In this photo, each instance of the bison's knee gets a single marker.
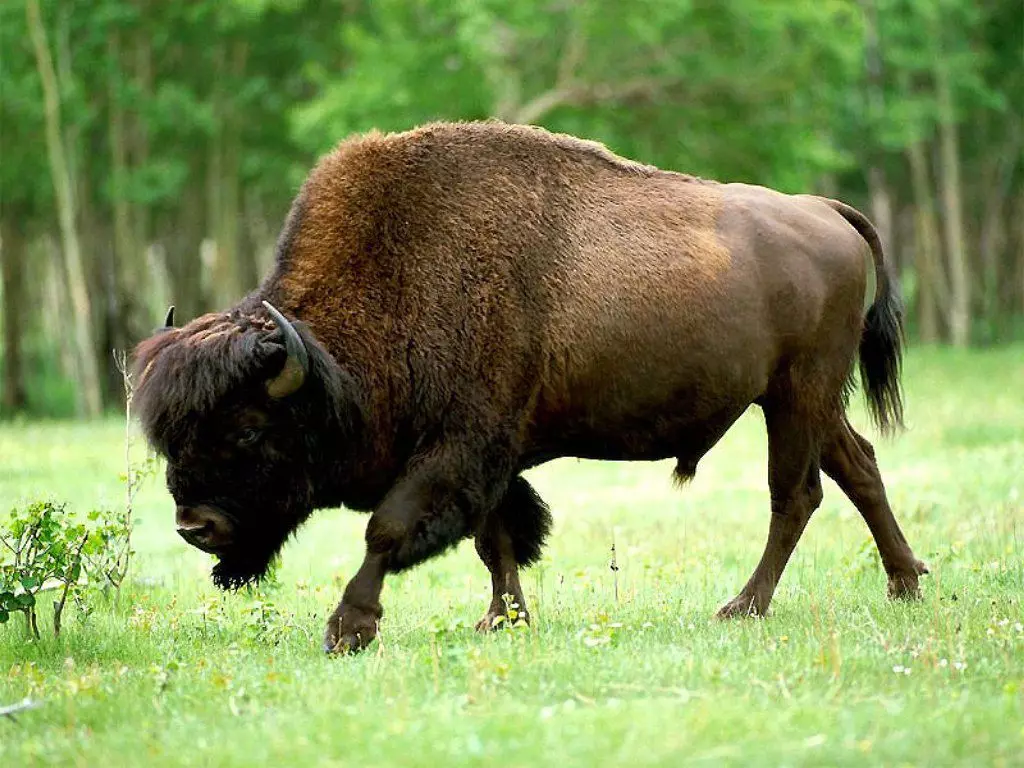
(384, 535)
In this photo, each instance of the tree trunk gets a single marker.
(127, 267)
(931, 284)
(229, 252)
(956, 254)
(134, 63)
(991, 242)
(223, 266)
(249, 262)
(140, 138)
(12, 260)
(58, 315)
(878, 184)
(88, 390)
(881, 210)
(225, 182)
(1017, 217)
(260, 233)
(183, 245)
(997, 202)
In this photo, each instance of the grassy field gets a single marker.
(621, 667)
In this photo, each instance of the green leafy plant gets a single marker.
(46, 548)
(108, 551)
(42, 550)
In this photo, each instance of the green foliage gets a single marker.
(108, 550)
(44, 548)
(190, 121)
(700, 87)
(772, 92)
(39, 545)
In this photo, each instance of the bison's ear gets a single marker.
(296, 366)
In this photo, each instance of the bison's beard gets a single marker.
(234, 573)
(248, 562)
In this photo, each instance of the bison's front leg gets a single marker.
(794, 481)
(353, 625)
(439, 502)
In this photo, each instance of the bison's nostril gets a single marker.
(204, 527)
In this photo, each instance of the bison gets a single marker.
(453, 305)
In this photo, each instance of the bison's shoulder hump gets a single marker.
(488, 140)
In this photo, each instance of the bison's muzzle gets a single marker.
(205, 527)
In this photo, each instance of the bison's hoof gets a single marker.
(493, 620)
(350, 629)
(903, 584)
(742, 606)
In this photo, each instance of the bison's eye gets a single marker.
(247, 436)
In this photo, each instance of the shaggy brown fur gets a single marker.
(480, 298)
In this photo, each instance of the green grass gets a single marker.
(172, 673)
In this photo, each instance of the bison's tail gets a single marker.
(881, 344)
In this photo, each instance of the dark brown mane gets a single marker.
(183, 373)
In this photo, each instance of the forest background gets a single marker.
(149, 150)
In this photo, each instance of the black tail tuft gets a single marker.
(881, 358)
(881, 343)
(527, 519)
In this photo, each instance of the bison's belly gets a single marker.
(642, 418)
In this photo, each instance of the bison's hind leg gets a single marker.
(849, 459)
(794, 483)
(510, 536)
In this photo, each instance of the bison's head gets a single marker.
(247, 408)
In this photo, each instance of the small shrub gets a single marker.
(42, 550)
(45, 548)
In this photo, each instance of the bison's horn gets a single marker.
(293, 374)
(168, 321)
